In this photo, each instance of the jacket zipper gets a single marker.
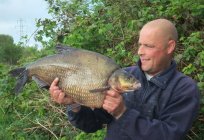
(145, 91)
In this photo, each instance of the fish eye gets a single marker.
(126, 77)
(129, 77)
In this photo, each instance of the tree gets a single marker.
(9, 52)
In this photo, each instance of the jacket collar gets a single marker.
(161, 79)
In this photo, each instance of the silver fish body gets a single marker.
(79, 72)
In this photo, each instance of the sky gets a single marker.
(18, 17)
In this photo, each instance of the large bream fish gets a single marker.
(83, 75)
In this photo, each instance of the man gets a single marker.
(162, 109)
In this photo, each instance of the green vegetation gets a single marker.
(107, 26)
(10, 53)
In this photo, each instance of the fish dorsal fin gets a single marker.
(64, 49)
(100, 89)
(40, 83)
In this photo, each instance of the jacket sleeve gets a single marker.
(174, 120)
(89, 120)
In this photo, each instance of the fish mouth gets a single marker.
(137, 85)
(129, 90)
(134, 87)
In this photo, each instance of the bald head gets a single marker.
(163, 27)
(157, 42)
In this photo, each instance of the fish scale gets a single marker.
(83, 95)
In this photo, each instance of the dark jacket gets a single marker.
(162, 109)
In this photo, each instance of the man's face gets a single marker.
(153, 51)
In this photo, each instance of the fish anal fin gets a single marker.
(100, 89)
(40, 83)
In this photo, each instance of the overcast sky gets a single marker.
(12, 11)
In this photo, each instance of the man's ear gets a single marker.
(171, 46)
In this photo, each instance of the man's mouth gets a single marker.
(144, 60)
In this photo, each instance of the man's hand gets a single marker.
(58, 95)
(114, 104)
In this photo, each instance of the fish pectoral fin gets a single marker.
(40, 83)
(99, 89)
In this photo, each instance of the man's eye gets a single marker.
(149, 46)
(146, 45)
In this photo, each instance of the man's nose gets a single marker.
(140, 50)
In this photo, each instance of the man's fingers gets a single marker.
(61, 97)
(54, 83)
(55, 94)
(112, 101)
(55, 88)
(113, 96)
(109, 106)
(112, 93)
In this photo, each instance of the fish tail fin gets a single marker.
(16, 72)
(22, 75)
